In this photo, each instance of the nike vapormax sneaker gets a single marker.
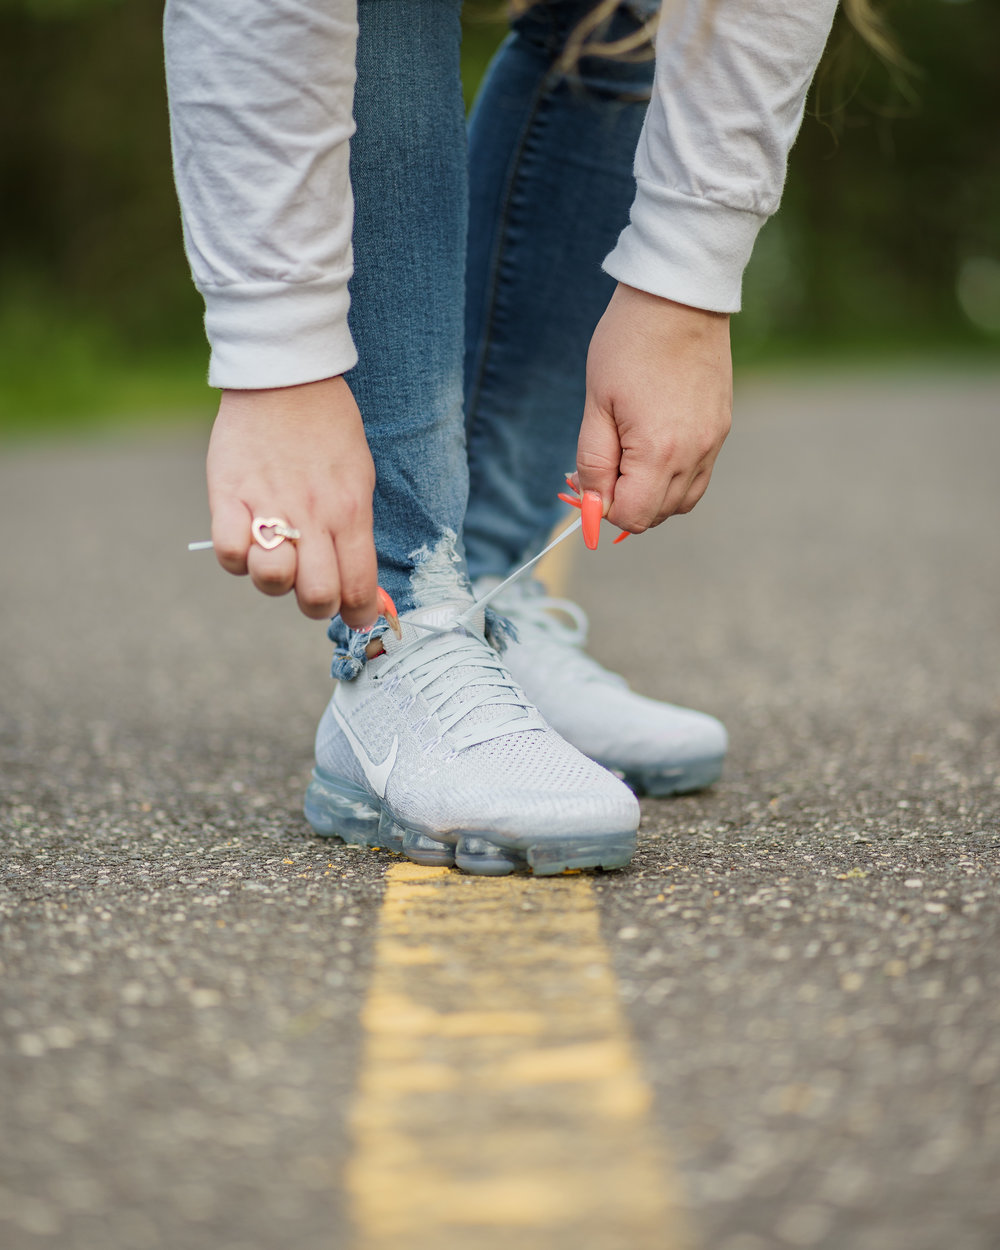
(435, 751)
(658, 748)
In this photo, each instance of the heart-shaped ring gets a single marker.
(280, 530)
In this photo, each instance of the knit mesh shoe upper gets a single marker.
(660, 747)
(440, 734)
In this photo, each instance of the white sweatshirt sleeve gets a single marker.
(728, 97)
(261, 98)
(261, 107)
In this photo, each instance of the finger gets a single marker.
(317, 581)
(231, 534)
(695, 490)
(598, 453)
(273, 572)
(358, 568)
(673, 499)
(640, 498)
(680, 498)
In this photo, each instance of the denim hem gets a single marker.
(349, 656)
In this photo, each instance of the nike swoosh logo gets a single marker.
(377, 774)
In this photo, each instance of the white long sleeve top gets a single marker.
(261, 97)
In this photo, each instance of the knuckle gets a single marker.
(317, 600)
(358, 619)
(354, 598)
(354, 510)
(318, 610)
(593, 462)
(664, 451)
(660, 459)
(633, 524)
(350, 512)
(231, 555)
(272, 583)
(704, 450)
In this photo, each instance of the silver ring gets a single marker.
(280, 530)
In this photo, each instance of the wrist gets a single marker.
(646, 303)
(294, 389)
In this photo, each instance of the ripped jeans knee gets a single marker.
(439, 576)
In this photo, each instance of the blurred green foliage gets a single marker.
(888, 238)
(894, 187)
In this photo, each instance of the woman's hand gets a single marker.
(298, 453)
(659, 406)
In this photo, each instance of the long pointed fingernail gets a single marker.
(388, 610)
(570, 499)
(571, 484)
(621, 537)
(591, 508)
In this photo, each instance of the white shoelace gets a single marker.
(558, 625)
(461, 664)
(529, 564)
(547, 616)
(487, 686)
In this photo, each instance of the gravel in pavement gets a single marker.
(808, 953)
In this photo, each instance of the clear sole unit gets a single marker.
(680, 779)
(338, 808)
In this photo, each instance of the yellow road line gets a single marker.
(499, 1103)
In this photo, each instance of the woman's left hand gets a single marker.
(659, 407)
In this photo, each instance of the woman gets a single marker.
(434, 348)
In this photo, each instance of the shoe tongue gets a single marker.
(443, 616)
(440, 615)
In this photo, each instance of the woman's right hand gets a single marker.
(659, 406)
(297, 453)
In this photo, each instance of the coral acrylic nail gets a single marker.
(388, 610)
(592, 509)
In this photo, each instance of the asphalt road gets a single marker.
(808, 955)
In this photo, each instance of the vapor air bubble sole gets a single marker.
(658, 783)
(335, 807)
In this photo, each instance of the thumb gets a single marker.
(598, 453)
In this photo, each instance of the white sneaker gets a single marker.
(658, 748)
(435, 751)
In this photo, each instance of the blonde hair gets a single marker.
(585, 39)
(872, 27)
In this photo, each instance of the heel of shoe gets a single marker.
(336, 808)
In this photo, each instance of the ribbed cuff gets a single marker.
(277, 334)
(689, 250)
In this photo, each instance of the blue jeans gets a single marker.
(491, 296)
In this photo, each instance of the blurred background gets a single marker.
(887, 245)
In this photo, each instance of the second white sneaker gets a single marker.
(658, 748)
(435, 751)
